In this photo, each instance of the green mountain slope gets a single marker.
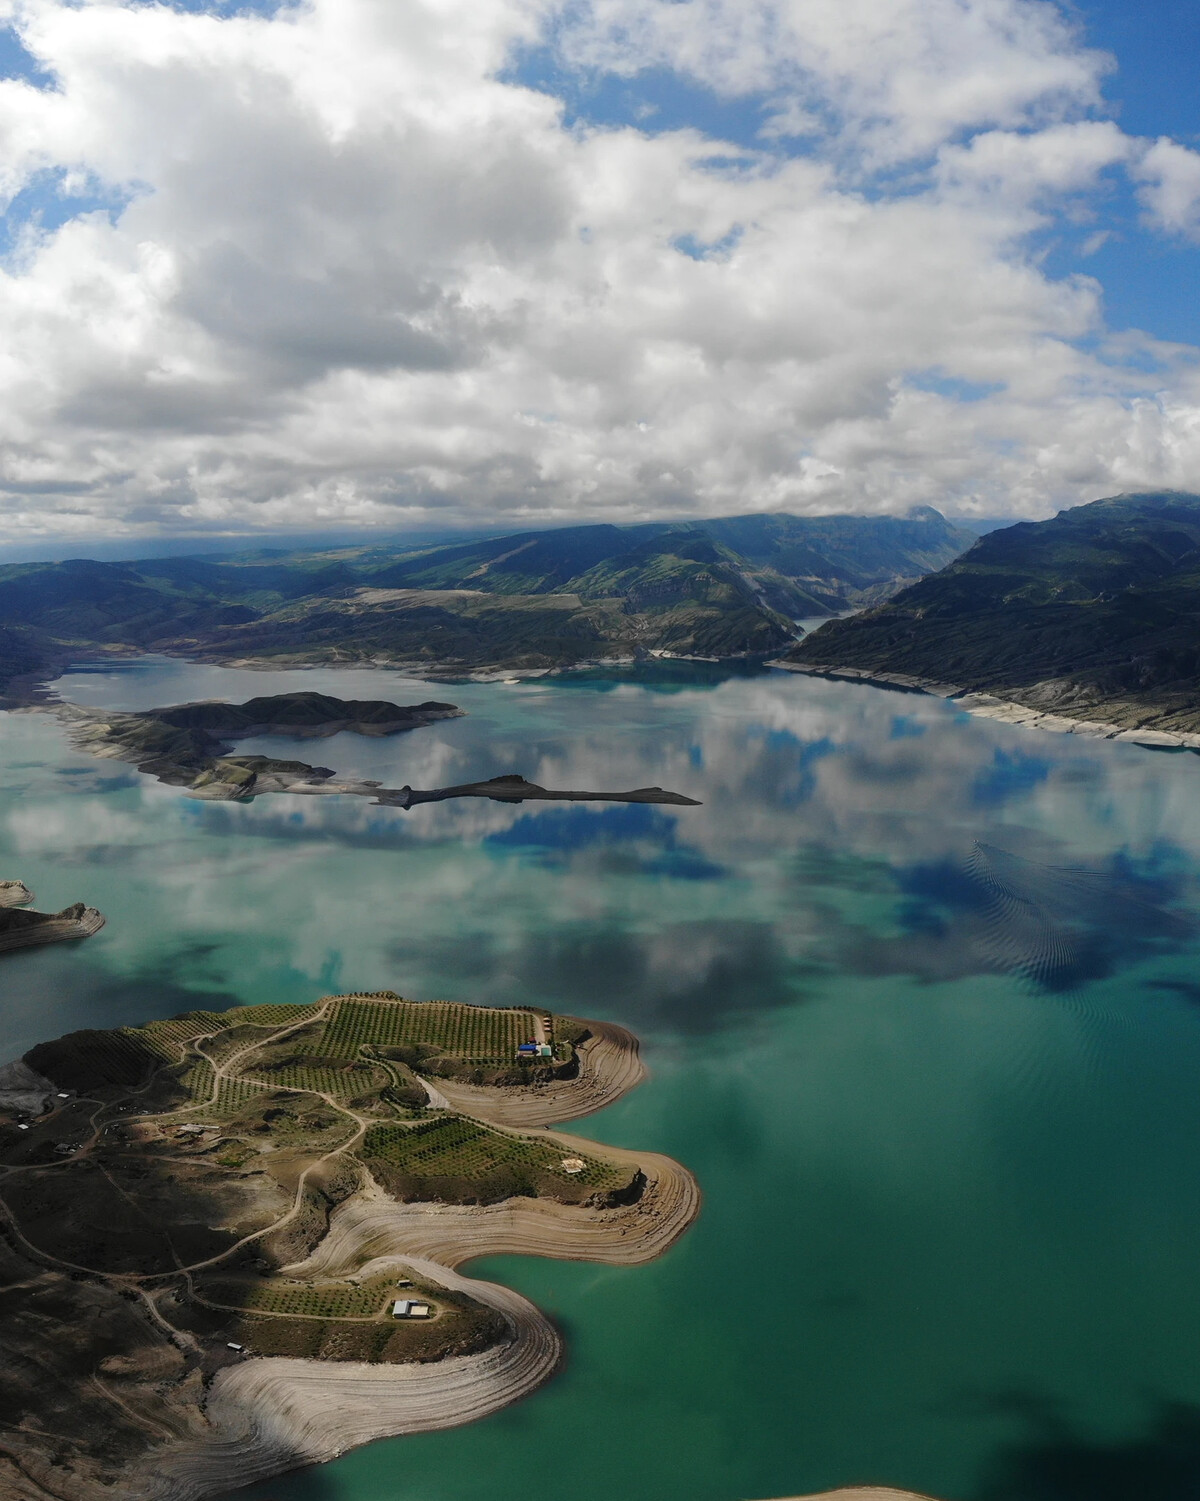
(534, 600)
(1093, 614)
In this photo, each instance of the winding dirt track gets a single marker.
(266, 1416)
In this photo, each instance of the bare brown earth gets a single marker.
(214, 1179)
(20, 928)
(610, 1065)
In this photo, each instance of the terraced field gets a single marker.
(333, 1300)
(286, 1091)
(457, 1147)
(473, 1034)
(216, 1186)
(341, 1083)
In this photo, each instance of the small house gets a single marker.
(527, 1050)
(408, 1308)
(545, 1050)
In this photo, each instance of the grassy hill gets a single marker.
(535, 600)
(1094, 614)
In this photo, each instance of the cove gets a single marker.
(920, 999)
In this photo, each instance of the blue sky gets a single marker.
(368, 264)
(1149, 282)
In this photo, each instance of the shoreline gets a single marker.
(36, 690)
(26, 928)
(862, 1493)
(1007, 711)
(268, 1415)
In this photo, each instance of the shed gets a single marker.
(408, 1308)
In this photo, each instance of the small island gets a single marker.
(21, 928)
(187, 746)
(231, 1239)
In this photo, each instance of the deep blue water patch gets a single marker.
(905, 727)
(1011, 774)
(576, 828)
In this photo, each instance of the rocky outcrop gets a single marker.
(23, 1089)
(20, 927)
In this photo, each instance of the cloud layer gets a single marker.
(339, 265)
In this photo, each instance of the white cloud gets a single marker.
(899, 76)
(358, 277)
(1171, 187)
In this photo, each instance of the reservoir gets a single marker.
(920, 998)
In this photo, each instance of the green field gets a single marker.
(457, 1147)
(341, 1083)
(168, 1038)
(332, 1300)
(474, 1034)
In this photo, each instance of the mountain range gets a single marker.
(539, 599)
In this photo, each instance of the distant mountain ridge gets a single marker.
(1093, 615)
(538, 599)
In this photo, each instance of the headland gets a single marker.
(188, 746)
(230, 1240)
(21, 927)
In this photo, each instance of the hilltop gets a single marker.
(1093, 615)
(533, 601)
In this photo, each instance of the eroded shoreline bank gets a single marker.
(271, 1415)
(1007, 711)
(201, 1417)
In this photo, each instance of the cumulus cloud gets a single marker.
(1171, 187)
(338, 265)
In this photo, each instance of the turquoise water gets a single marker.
(921, 1002)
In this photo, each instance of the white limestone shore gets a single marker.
(987, 706)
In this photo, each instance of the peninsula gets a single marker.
(230, 1240)
(21, 928)
(1086, 624)
(187, 746)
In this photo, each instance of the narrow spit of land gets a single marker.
(208, 1222)
(190, 746)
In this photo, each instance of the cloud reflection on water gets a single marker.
(835, 839)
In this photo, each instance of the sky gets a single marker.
(427, 264)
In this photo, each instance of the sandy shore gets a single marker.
(268, 1416)
(374, 1228)
(861, 1493)
(265, 1416)
(15, 894)
(610, 1065)
(988, 706)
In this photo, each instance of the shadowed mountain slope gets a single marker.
(1094, 614)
